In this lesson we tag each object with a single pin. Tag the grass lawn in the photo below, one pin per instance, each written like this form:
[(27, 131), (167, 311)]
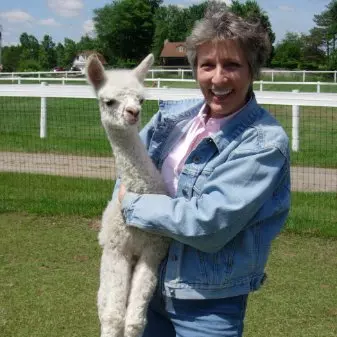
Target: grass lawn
[(74, 128), (52, 195), (49, 267), (49, 262)]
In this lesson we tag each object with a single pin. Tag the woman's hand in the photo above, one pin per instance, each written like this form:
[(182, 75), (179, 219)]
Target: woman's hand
[(121, 192)]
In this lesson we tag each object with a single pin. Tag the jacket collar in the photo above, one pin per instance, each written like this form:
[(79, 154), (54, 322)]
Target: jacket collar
[(176, 111)]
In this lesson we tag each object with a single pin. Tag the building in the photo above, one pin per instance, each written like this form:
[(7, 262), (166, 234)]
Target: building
[(173, 54), (81, 59)]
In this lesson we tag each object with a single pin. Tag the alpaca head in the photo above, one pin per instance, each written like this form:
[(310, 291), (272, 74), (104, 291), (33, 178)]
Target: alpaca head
[(120, 93)]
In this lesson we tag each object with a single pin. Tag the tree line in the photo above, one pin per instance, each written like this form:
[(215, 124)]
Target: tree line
[(127, 30)]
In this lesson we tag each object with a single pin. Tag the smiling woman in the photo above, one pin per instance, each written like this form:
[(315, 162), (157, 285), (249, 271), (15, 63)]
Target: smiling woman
[(225, 164), (224, 77)]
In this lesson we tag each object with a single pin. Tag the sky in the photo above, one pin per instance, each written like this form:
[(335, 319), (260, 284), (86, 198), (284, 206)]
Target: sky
[(73, 18)]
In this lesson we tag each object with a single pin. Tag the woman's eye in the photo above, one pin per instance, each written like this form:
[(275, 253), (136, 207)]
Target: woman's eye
[(232, 65), (110, 102)]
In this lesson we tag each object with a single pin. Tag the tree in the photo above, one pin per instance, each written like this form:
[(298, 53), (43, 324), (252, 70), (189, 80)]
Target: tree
[(70, 52), (29, 47), (125, 29), (327, 25), (87, 43), (313, 56), (47, 54), (252, 11), (288, 53), (59, 50), (174, 24), (11, 58)]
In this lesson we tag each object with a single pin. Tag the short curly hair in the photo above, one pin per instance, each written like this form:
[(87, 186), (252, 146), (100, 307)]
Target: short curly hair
[(219, 23)]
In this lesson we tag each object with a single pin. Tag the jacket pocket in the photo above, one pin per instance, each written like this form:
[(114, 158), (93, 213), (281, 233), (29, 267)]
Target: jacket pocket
[(216, 268)]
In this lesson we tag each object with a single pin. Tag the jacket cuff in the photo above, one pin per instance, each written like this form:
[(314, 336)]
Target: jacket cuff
[(128, 204)]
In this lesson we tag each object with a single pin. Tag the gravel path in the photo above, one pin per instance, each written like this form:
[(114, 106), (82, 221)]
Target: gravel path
[(309, 179)]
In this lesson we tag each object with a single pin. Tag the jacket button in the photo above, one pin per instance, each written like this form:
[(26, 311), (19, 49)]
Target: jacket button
[(196, 160)]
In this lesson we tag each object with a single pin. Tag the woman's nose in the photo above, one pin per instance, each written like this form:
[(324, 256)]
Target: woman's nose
[(219, 76)]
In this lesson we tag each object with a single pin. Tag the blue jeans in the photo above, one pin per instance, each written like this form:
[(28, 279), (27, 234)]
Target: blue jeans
[(171, 317)]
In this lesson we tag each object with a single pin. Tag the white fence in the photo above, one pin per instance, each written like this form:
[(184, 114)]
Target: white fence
[(160, 82), (294, 99), (180, 73)]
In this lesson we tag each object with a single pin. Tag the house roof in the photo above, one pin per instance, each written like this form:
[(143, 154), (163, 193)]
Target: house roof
[(87, 53), (173, 49)]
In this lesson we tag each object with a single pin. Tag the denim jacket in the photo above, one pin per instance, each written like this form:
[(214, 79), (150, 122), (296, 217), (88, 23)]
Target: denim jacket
[(233, 198)]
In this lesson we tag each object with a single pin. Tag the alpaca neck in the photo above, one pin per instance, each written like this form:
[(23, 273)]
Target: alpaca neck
[(134, 166)]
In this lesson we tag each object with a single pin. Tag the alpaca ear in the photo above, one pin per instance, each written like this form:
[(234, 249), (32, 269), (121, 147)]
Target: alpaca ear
[(141, 70), (95, 72)]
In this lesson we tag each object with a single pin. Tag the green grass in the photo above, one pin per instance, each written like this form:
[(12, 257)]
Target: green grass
[(52, 195), (49, 270), (300, 296), (266, 87), (74, 128), (49, 262), (48, 276), (313, 214)]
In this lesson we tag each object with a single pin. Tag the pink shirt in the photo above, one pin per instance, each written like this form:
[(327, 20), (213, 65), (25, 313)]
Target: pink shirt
[(198, 130)]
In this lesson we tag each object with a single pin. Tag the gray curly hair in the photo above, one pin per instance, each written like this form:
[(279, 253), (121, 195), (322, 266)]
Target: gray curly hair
[(219, 23)]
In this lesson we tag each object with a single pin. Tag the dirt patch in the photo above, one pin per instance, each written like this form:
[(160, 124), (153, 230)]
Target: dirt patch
[(308, 179)]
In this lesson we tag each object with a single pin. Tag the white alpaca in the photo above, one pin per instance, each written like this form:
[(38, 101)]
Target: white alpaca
[(130, 257)]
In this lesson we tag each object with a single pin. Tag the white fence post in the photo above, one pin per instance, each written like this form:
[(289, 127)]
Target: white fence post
[(272, 76), (318, 86), (335, 76), (303, 75), (43, 115), (158, 82), (295, 144), (261, 85)]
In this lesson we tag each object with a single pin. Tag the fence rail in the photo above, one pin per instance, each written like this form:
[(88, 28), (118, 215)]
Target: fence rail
[(261, 85), (294, 99), (51, 136), (181, 73)]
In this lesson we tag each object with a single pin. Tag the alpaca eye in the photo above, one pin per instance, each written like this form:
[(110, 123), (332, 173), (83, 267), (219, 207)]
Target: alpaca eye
[(110, 102), (141, 100)]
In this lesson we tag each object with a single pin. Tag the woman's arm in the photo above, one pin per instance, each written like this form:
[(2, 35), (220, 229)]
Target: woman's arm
[(232, 195)]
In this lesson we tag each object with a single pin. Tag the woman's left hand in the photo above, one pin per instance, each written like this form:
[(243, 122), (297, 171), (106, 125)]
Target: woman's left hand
[(121, 192)]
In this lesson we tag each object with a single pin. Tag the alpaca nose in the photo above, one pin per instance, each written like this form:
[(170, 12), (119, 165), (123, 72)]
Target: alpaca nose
[(132, 111)]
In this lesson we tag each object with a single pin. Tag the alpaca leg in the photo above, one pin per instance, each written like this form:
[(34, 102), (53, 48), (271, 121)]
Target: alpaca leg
[(113, 292), (144, 281)]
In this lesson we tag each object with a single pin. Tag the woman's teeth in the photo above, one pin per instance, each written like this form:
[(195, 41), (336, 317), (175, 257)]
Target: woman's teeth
[(221, 92)]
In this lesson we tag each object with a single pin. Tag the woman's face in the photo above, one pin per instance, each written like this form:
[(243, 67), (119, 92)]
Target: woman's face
[(223, 75)]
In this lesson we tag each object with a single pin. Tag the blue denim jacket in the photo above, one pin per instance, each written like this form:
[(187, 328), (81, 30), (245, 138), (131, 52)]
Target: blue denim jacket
[(233, 198)]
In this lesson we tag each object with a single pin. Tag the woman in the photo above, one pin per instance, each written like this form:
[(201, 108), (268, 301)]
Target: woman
[(225, 161)]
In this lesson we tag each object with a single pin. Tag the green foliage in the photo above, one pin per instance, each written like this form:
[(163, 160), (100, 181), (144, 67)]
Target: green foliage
[(59, 50), (332, 63), (11, 58), (252, 11), (29, 65), (288, 52), (47, 53), (174, 24), (70, 51), (125, 29)]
